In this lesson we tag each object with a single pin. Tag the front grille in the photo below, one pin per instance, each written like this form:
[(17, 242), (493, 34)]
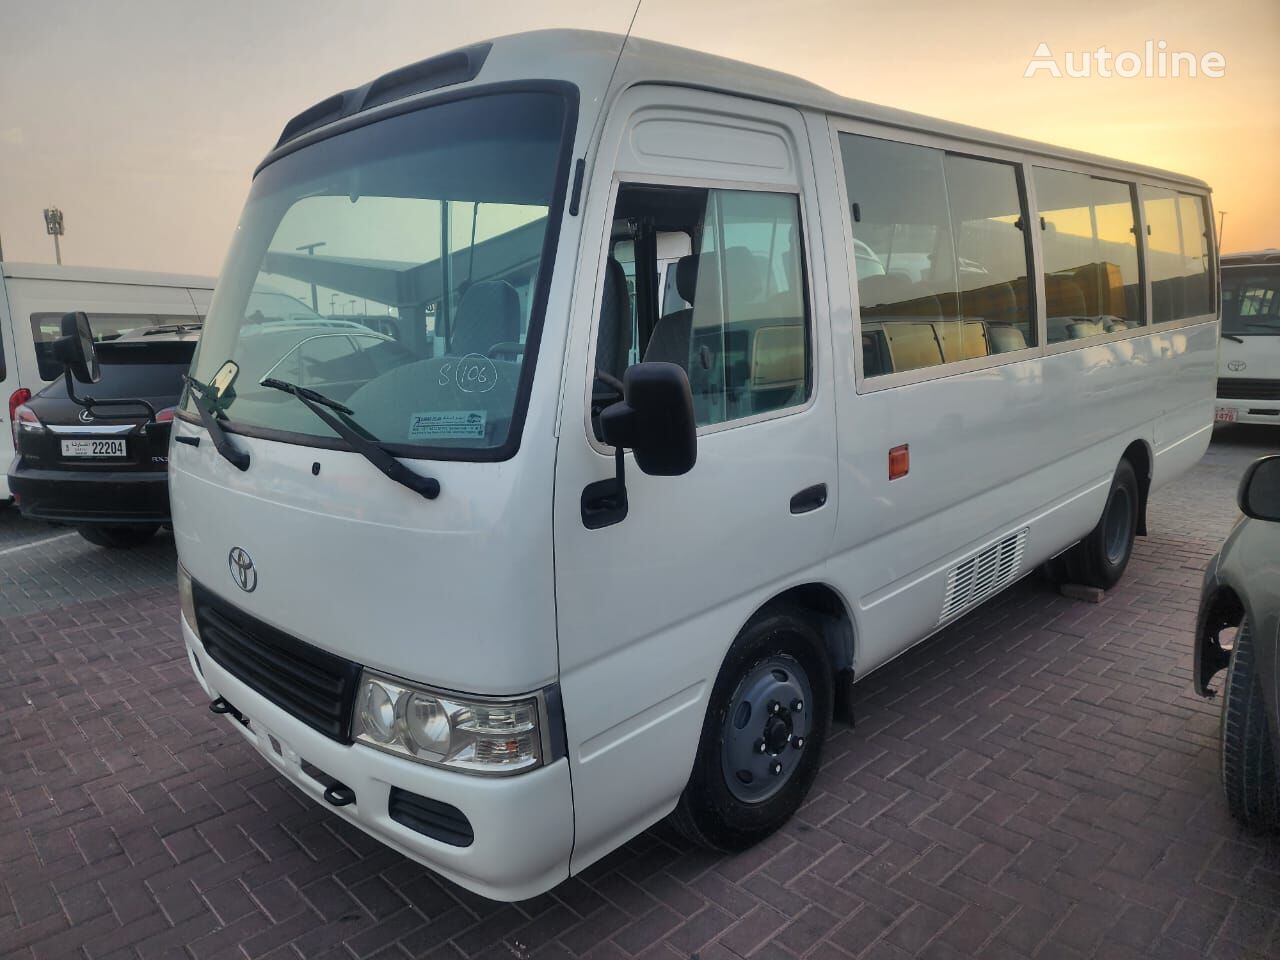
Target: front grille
[(431, 818), (313, 685), (1242, 388)]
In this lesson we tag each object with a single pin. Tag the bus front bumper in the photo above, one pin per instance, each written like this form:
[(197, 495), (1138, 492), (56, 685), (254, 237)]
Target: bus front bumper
[(522, 825)]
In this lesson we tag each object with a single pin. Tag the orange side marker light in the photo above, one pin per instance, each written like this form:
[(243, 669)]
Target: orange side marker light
[(899, 462)]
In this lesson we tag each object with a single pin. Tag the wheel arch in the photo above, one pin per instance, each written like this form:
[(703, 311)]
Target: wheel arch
[(829, 611), (1220, 609)]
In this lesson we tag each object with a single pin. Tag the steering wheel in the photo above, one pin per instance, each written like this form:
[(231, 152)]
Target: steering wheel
[(507, 348)]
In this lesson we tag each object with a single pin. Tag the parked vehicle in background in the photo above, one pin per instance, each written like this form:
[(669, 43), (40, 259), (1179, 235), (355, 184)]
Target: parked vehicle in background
[(33, 299), (1249, 356), (642, 580), (103, 467), (1242, 590)]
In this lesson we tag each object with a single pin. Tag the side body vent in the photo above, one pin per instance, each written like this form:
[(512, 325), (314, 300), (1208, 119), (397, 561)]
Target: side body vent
[(982, 574)]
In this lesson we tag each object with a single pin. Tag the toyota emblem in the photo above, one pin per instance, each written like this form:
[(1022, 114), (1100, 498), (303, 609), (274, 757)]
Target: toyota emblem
[(86, 416), (1236, 365), (242, 570)]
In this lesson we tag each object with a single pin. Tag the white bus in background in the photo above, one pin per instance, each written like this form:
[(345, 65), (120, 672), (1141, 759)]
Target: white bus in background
[(546, 562), (1249, 359), (33, 299)]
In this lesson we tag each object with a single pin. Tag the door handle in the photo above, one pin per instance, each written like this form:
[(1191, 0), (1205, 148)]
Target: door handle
[(810, 498)]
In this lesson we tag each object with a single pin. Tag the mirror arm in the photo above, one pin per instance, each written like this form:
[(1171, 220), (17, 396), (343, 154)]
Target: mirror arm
[(620, 478)]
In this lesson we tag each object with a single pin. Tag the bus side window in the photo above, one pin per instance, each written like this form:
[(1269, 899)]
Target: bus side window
[(940, 253), (1177, 254), (1091, 281), (728, 303)]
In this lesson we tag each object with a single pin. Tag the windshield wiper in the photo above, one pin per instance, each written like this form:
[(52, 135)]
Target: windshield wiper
[(209, 417), (1232, 336), (360, 439)]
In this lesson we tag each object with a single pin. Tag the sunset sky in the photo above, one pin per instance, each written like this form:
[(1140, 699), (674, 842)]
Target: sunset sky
[(143, 119)]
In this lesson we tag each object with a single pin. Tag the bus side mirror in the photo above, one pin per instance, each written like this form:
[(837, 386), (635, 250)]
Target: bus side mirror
[(75, 349), (1259, 495), (654, 419)]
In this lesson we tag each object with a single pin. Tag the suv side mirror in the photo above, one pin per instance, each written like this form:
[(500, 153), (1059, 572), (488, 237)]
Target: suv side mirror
[(75, 349), (655, 421), (1259, 495)]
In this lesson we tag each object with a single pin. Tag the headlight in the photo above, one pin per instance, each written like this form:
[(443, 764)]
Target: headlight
[(497, 736), (187, 599)]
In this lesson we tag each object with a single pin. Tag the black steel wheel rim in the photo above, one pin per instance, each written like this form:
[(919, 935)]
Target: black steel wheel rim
[(766, 729)]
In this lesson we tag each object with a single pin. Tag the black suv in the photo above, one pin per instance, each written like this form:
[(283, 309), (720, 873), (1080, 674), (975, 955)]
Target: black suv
[(97, 457)]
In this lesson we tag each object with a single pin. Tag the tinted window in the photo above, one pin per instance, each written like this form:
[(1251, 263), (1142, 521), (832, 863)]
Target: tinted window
[(940, 255), (107, 328), (1092, 283), (1251, 301), (1177, 254)]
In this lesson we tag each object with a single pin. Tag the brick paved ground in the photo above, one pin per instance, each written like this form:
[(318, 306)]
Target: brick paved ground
[(1037, 781)]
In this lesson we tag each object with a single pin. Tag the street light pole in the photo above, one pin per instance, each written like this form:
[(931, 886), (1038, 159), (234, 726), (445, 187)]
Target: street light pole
[(53, 226), (1222, 216), (311, 252)]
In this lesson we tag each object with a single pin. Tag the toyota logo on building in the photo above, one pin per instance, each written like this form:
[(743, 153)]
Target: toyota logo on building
[(86, 416), (1236, 366), (242, 570)]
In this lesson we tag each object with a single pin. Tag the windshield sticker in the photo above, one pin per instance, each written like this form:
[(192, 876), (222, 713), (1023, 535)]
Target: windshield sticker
[(447, 425), (474, 373)]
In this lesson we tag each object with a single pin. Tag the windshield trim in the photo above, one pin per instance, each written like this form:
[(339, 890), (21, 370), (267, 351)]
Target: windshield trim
[(538, 306)]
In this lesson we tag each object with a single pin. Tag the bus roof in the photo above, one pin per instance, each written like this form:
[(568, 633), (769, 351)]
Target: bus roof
[(143, 278), (1250, 257), (586, 58)]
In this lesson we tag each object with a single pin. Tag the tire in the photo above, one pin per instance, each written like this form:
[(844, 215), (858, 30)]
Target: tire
[(1249, 776), (119, 537), (1100, 559), (727, 816)]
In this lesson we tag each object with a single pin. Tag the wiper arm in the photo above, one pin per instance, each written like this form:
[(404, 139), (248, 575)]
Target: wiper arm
[(208, 416), (360, 439), (1232, 336)]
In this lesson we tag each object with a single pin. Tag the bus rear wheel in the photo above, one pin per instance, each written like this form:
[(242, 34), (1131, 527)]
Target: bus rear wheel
[(762, 737), (1100, 559)]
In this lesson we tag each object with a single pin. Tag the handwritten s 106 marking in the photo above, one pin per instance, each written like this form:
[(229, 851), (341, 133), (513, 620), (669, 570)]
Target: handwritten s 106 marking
[(473, 373)]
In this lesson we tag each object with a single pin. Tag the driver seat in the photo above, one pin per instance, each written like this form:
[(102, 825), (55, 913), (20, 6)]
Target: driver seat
[(488, 314)]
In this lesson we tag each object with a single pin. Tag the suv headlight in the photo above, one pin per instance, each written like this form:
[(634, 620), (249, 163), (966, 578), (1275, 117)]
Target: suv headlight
[(469, 734), (187, 599)]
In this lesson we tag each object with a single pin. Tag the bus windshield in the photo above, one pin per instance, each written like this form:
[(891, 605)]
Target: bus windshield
[(1251, 302), (396, 268)]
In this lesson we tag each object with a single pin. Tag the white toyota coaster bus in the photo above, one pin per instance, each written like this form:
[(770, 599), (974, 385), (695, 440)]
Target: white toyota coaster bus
[(548, 551), (1249, 361)]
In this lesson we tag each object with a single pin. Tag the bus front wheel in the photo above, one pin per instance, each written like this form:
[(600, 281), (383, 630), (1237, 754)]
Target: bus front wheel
[(762, 737)]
